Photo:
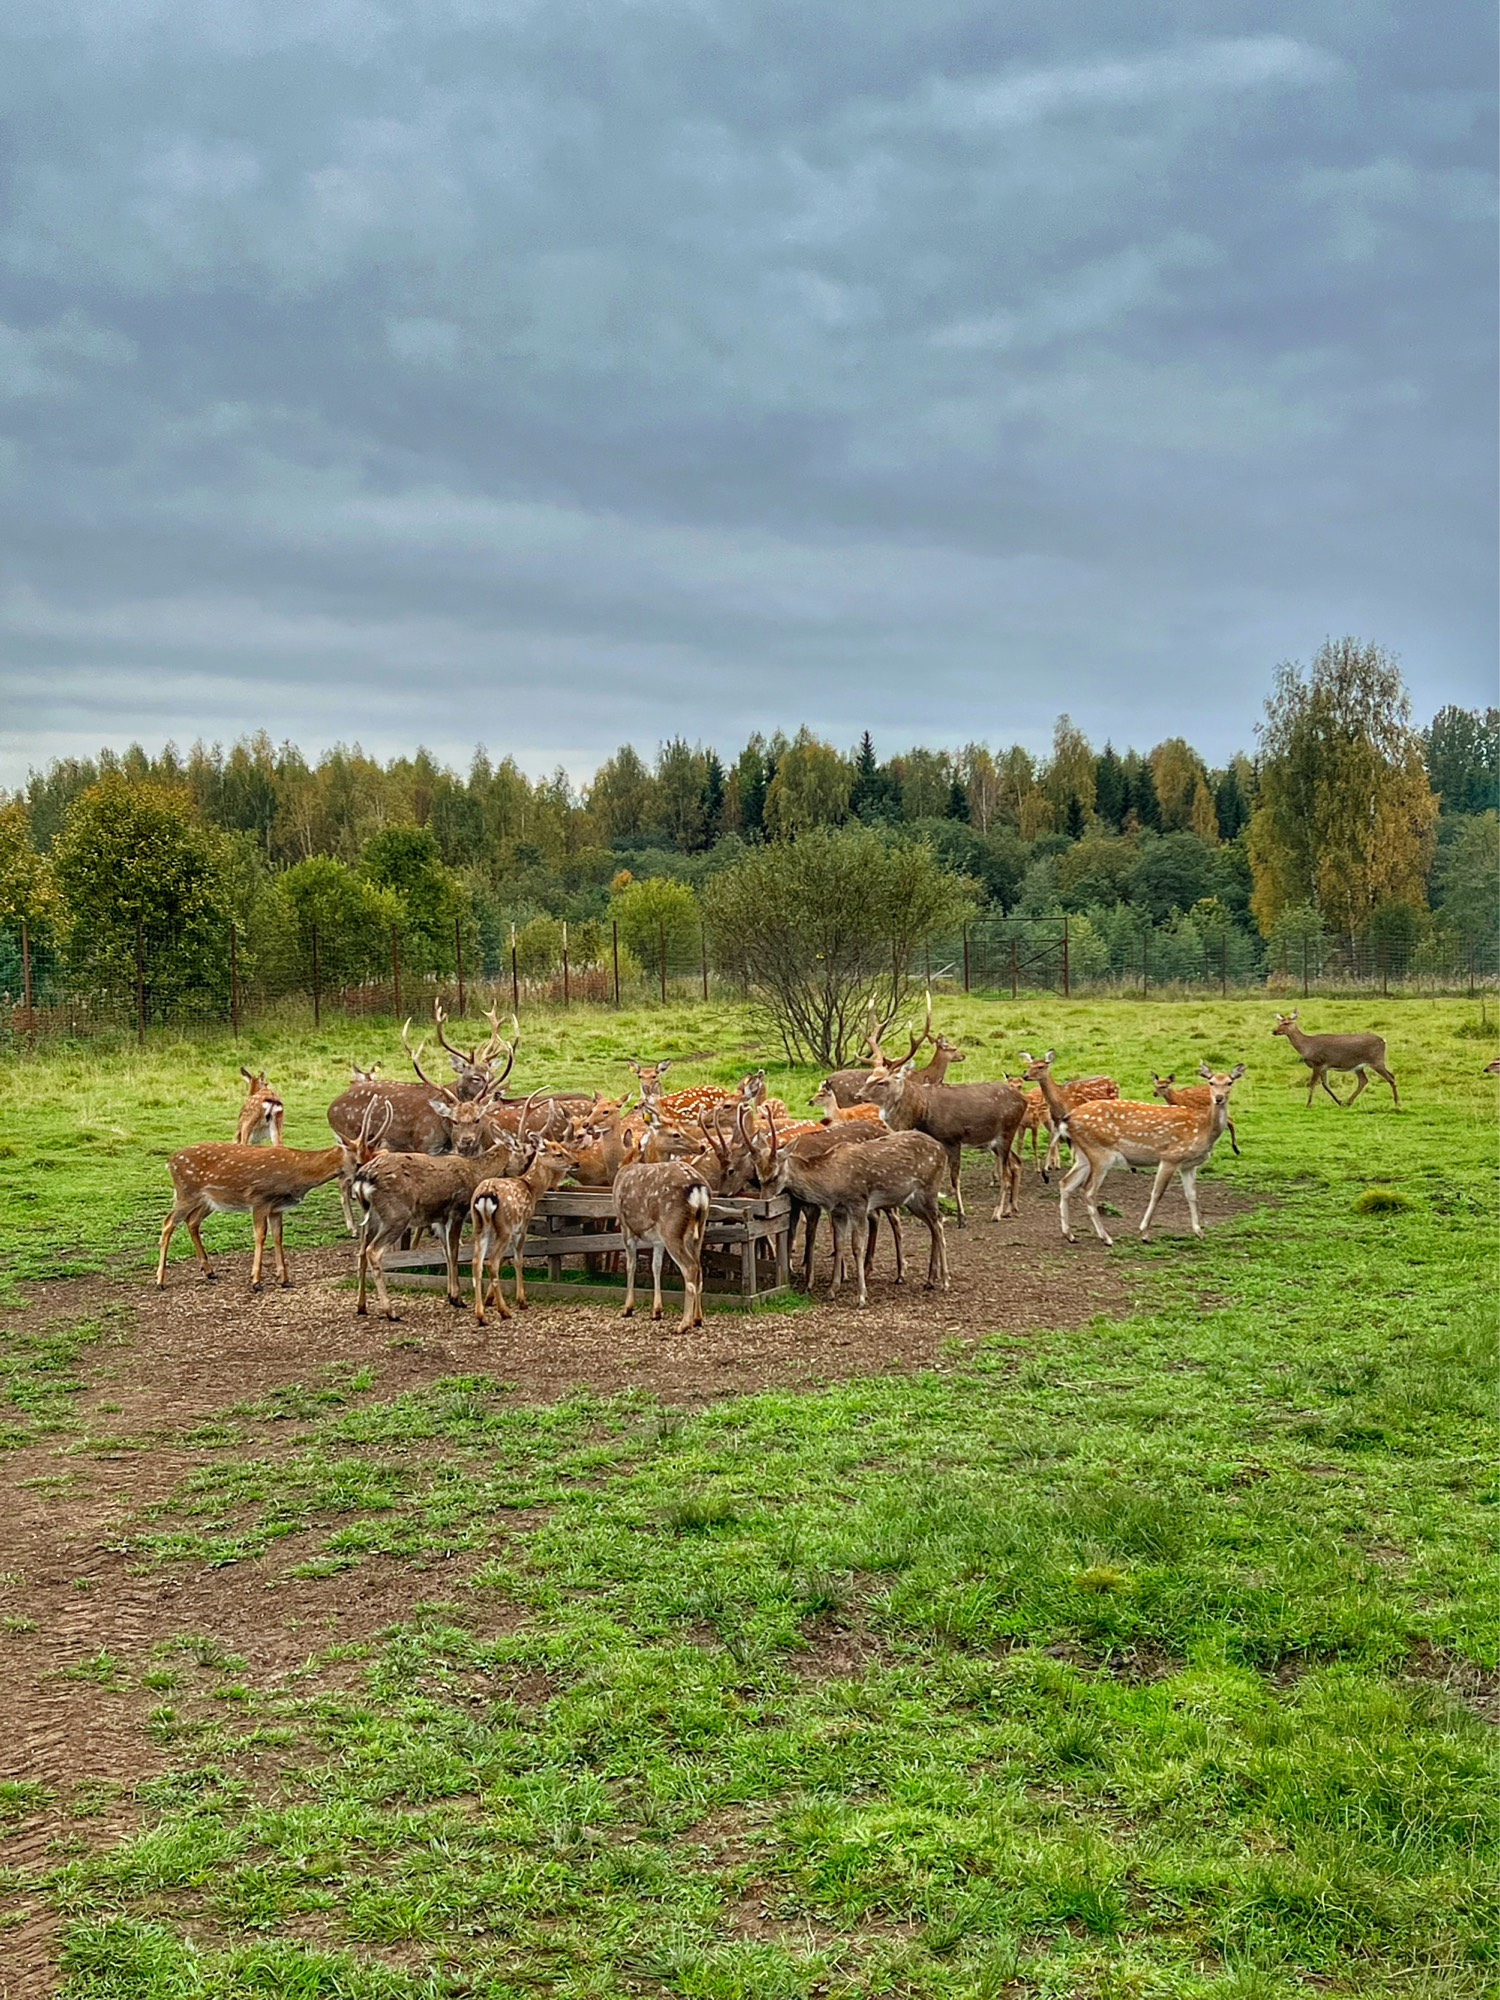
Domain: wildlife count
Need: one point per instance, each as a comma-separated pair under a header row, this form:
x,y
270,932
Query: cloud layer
x,y
550,375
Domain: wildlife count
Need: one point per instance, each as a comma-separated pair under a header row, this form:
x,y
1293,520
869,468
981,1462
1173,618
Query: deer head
x,y
1285,1023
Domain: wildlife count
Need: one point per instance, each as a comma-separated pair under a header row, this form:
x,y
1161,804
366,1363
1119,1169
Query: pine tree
x,y
1229,800
1143,800
1073,818
958,802
867,801
713,798
1111,790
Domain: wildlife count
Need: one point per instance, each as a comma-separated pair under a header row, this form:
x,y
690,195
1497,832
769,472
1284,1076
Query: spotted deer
x,y
1038,1119
663,1206
1114,1132
501,1210
1197,1094
857,1181
417,1124
262,1114
261,1181
1340,1053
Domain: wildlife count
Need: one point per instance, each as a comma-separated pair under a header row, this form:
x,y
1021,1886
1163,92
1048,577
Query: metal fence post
x,y
1304,968
458,961
615,942
396,965
1145,961
703,955
515,976
26,978
234,980
140,984
1224,965
1067,988
661,944
1015,965
567,984
966,958
317,976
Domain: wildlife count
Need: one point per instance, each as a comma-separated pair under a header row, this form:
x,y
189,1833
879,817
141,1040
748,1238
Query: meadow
x,y
1152,1656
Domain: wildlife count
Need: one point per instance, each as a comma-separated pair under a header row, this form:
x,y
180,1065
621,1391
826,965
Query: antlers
x,y
480,1061
874,1031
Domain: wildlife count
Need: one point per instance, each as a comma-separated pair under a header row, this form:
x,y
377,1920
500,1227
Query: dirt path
x,y
171,1360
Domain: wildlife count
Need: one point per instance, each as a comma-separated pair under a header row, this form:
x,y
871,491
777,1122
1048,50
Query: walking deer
x,y
1194,1094
806,1152
1175,1139
1340,1053
983,1115
501,1210
1038,1118
262,1114
261,1181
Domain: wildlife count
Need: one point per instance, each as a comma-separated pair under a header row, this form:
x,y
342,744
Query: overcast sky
x,y
545,374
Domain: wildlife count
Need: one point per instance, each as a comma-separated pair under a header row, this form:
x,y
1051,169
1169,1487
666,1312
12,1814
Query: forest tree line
x,y
1346,821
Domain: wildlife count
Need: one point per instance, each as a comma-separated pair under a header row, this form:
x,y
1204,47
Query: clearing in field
x,y
1121,1623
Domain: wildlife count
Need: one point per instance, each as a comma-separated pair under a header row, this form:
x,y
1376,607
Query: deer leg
x,y
1190,1193
451,1233
282,1272
1361,1083
1234,1144
364,1262
382,1294
1321,1076
657,1254
481,1273
518,1271
1382,1072
1091,1189
168,1231
631,1249
1072,1181
258,1226
955,1175
1159,1187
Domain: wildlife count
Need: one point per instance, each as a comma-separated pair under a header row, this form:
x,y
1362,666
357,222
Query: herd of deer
x,y
889,1139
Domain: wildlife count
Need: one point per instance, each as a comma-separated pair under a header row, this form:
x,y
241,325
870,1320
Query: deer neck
x,y
1056,1103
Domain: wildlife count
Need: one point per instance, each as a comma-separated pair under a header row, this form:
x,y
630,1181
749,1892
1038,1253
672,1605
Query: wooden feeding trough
x,y
745,1253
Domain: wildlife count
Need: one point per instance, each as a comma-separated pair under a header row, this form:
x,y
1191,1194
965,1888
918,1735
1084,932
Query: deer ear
x,y
667,1064
1237,1072
441,1107
1049,1055
1204,1070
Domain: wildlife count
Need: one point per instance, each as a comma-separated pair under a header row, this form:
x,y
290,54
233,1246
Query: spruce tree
x,y
1111,790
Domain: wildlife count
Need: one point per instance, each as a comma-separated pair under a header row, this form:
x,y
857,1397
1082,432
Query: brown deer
x,y
806,1152
262,1114
1340,1053
858,1181
1197,1095
983,1115
1114,1132
825,1099
261,1181
663,1206
396,1196
416,1125
845,1085
501,1210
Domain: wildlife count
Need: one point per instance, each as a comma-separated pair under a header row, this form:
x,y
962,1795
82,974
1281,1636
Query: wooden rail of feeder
x,y
745,1251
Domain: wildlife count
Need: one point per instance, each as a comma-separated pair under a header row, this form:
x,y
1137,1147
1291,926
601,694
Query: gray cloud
x,y
552,375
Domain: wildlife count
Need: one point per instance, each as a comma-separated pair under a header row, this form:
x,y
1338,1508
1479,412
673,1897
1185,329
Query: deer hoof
x,y
257,1286
628,1313
286,1284
656,1313
210,1277
457,1304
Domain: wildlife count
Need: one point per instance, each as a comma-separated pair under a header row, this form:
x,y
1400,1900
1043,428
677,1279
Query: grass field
x,y
1155,1657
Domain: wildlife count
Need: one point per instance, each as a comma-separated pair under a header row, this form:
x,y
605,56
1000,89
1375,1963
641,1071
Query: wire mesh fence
x,y
145,979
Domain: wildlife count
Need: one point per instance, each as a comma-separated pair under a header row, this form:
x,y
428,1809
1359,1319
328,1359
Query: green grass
x,y
1148,1659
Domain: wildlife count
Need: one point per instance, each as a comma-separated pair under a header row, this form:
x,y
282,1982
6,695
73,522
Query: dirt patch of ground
x,y
196,1348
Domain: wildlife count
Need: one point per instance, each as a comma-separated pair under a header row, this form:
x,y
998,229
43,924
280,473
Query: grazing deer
x,y
501,1211
1340,1053
262,1114
261,1181
1114,1132
663,1205
983,1115
1198,1095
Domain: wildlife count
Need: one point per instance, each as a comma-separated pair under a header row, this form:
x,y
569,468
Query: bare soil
x,y
170,1360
